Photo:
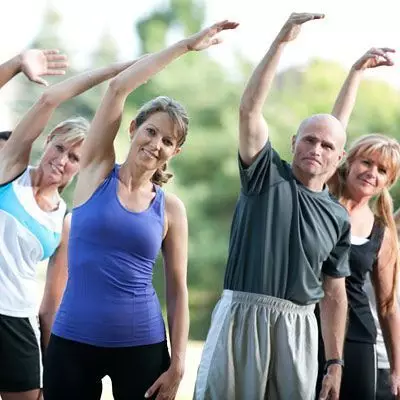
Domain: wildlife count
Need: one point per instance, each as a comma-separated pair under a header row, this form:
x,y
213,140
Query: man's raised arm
x,y
253,127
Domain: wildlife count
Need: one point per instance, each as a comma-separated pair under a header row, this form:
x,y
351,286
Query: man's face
x,y
318,150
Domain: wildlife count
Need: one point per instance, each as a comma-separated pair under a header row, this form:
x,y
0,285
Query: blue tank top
x,y
109,300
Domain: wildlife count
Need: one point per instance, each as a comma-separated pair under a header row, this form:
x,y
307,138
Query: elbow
x,y
249,110
116,87
44,314
178,296
49,100
336,298
387,311
180,292
246,110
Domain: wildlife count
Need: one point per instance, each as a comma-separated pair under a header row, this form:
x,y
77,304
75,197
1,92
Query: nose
x,y
372,171
316,149
157,142
62,158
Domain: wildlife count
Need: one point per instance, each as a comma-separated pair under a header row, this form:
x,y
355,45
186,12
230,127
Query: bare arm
x,y
346,99
56,279
333,311
389,317
175,250
34,63
98,154
15,155
253,128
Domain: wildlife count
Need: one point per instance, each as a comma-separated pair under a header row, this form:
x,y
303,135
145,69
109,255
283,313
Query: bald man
x,y
288,251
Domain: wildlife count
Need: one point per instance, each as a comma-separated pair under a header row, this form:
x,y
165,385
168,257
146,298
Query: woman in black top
x,y
371,167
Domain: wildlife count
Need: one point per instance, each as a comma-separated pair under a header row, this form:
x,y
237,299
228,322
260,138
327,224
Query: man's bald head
x,y
324,123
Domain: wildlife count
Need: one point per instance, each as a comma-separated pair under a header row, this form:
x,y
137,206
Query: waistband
x,y
266,301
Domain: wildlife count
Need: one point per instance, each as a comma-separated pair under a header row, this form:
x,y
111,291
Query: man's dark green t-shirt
x,y
283,234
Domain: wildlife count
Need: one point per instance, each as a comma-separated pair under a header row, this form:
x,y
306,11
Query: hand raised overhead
x,y
374,57
207,37
292,26
36,63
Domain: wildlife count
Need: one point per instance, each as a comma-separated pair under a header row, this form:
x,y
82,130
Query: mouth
x,y
367,182
56,169
312,160
149,154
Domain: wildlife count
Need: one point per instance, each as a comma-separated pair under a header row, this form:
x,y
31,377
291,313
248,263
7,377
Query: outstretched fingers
x,y
223,26
56,57
381,56
301,18
219,27
388,50
56,63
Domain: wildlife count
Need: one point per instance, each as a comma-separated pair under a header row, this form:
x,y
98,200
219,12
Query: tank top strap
x,y
376,236
110,183
158,205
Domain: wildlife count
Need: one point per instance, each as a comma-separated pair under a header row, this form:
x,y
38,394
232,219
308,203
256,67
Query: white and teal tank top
x,y
28,235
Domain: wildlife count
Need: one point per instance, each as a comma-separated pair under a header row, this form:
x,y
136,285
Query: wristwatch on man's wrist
x,y
332,361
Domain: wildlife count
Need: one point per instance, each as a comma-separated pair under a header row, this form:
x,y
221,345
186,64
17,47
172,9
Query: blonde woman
x,y
362,184
33,227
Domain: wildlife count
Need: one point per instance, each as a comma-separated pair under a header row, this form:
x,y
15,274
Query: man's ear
x,y
342,155
294,138
177,151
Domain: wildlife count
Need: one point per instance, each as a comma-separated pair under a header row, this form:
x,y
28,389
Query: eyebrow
x,y
313,136
158,130
153,126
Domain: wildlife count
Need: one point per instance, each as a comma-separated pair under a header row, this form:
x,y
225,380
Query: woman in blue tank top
x,y
110,321
370,168
33,221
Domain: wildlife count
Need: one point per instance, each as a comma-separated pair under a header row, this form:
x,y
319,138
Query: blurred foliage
x,y
206,176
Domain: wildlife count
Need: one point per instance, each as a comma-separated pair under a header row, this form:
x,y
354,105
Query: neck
x,y
314,183
354,203
134,177
41,187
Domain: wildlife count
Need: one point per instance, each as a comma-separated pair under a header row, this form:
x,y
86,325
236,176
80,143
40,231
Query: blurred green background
x,y
205,173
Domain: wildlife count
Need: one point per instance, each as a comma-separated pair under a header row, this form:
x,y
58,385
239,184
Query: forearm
x,y
9,69
260,82
35,120
346,99
140,72
178,322
333,311
390,324
78,84
46,320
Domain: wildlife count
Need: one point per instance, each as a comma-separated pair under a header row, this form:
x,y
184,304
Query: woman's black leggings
x,y
74,370
359,372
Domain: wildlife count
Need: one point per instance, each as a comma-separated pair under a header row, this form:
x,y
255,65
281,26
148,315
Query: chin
x,y
311,171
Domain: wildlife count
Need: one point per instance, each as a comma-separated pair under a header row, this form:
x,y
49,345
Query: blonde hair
x,y
388,151
179,117
72,130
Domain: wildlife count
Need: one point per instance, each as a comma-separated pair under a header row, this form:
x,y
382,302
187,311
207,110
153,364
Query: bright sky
x,y
349,29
